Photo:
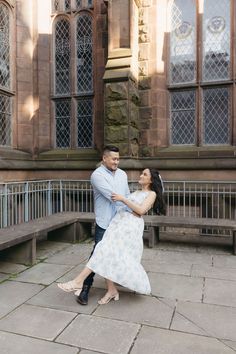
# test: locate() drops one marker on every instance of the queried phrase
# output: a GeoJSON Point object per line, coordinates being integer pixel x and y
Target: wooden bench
{"type": "Point", "coordinates": [156, 221]}
{"type": "Point", "coordinates": [19, 241]}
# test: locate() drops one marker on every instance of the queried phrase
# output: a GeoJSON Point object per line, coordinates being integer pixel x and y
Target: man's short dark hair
{"type": "Point", "coordinates": [110, 148]}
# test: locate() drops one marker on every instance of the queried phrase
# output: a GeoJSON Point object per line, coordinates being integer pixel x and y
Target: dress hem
{"type": "Point", "coordinates": [115, 281]}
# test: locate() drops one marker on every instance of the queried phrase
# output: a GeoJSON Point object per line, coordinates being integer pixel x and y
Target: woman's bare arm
{"type": "Point", "coordinates": [138, 209]}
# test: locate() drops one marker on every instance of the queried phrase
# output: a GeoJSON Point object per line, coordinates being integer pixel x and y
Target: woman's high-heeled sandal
{"type": "Point", "coordinates": [69, 286]}
{"type": "Point", "coordinates": [105, 299]}
{"type": "Point", "coordinates": [77, 292]}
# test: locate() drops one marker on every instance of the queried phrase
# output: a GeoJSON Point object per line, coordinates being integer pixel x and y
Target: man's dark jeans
{"type": "Point", "coordinates": [99, 232]}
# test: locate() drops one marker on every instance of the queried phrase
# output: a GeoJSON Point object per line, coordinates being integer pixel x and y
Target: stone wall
{"type": "Point", "coordinates": [122, 117]}
{"type": "Point", "coordinates": [152, 78]}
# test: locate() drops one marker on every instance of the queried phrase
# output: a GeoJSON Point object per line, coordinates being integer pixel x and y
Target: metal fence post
{"type": "Point", "coordinates": [184, 197]}
{"type": "Point", "coordinates": [49, 198]}
{"type": "Point", "coordinates": [61, 197]}
{"type": "Point", "coordinates": [5, 206]}
{"type": "Point", "coordinates": [26, 197]}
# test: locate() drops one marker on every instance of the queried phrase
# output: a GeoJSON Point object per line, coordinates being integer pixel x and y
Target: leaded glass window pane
{"type": "Point", "coordinates": [4, 47]}
{"type": "Point", "coordinates": [62, 57]}
{"type": "Point", "coordinates": [183, 118]}
{"type": "Point", "coordinates": [63, 126]}
{"type": "Point", "coordinates": [84, 54]}
{"type": "Point", "coordinates": [67, 5]}
{"type": "Point", "coordinates": [56, 5]}
{"type": "Point", "coordinates": [85, 123]}
{"type": "Point", "coordinates": [183, 42]}
{"type": "Point", "coordinates": [78, 3]}
{"type": "Point", "coordinates": [216, 116]}
{"type": "Point", "coordinates": [5, 120]}
{"type": "Point", "coordinates": [216, 40]}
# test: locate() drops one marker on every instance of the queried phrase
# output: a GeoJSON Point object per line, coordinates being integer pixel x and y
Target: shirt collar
{"type": "Point", "coordinates": [107, 170]}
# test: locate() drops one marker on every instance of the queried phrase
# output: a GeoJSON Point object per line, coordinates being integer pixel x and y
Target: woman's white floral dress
{"type": "Point", "coordinates": [117, 257]}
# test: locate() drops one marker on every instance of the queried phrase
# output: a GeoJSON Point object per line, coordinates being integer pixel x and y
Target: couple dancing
{"type": "Point", "coordinates": [118, 248]}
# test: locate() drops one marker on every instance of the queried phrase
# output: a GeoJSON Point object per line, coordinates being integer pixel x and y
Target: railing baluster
{"type": "Point", "coordinates": [5, 207]}
{"type": "Point", "coordinates": [26, 202]}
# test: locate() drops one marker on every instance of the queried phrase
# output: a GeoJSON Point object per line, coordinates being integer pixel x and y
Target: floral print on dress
{"type": "Point", "coordinates": [117, 257]}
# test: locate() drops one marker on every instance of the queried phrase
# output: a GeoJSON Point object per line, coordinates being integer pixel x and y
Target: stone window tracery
{"type": "Point", "coordinates": [71, 5]}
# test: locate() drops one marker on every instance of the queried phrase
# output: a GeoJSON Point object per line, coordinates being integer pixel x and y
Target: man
{"type": "Point", "coordinates": [106, 179]}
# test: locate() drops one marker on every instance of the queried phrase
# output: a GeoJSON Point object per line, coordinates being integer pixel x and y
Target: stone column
{"type": "Point", "coordinates": [121, 78]}
{"type": "Point", "coordinates": [24, 77]}
{"type": "Point", "coordinates": [152, 77]}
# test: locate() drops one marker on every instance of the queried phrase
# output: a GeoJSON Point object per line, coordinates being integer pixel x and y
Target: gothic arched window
{"type": "Point", "coordinates": [73, 81]}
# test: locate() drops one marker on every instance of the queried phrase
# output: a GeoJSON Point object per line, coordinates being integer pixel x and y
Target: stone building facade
{"type": "Point", "coordinates": [155, 77]}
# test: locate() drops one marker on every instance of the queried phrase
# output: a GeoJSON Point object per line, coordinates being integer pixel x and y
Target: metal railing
{"type": "Point", "coordinates": [24, 201]}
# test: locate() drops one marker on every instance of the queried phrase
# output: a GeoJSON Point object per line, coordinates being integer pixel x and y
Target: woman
{"type": "Point", "coordinates": [118, 256]}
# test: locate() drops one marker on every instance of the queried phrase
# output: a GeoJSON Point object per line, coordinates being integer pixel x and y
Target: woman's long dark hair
{"type": "Point", "coordinates": [159, 206]}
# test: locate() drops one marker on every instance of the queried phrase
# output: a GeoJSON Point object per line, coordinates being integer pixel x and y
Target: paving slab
{"type": "Point", "coordinates": [212, 320]}
{"type": "Point", "coordinates": [170, 268]}
{"type": "Point", "coordinates": [11, 268]}
{"type": "Point", "coordinates": [73, 255]}
{"type": "Point", "coordinates": [4, 277]}
{"type": "Point", "coordinates": [13, 294]}
{"type": "Point", "coordinates": [220, 292]}
{"type": "Point", "coordinates": [138, 309]}
{"type": "Point", "coordinates": [149, 253]}
{"type": "Point", "coordinates": [176, 286]}
{"type": "Point", "coordinates": [53, 297]}
{"type": "Point", "coordinates": [17, 344]}
{"type": "Point", "coordinates": [223, 249]}
{"type": "Point", "coordinates": [225, 261]}
{"type": "Point", "coordinates": [43, 273]}
{"type": "Point", "coordinates": [183, 324]}
{"type": "Point", "coordinates": [100, 334]}
{"type": "Point", "coordinates": [38, 322]}
{"type": "Point", "coordinates": [88, 352]}
{"type": "Point", "coordinates": [160, 341]}
{"type": "Point", "coordinates": [213, 272]}
{"type": "Point", "coordinates": [176, 246]}
{"type": "Point", "coordinates": [71, 274]}
{"type": "Point", "coordinates": [183, 257]}
{"type": "Point", "coordinates": [47, 248]}
{"type": "Point", "coordinates": [230, 344]}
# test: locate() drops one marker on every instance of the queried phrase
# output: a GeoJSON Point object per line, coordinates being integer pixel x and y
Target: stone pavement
{"type": "Point", "coordinates": [192, 309]}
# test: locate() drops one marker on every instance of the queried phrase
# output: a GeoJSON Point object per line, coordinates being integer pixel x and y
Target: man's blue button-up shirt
{"type": "Point", "coordinates": [106, 182]}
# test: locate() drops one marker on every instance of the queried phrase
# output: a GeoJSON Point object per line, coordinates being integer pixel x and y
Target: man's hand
{"type": "Point", "coordinates": [117, 197]}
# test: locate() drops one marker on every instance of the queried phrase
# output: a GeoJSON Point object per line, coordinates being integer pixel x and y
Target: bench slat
{"type": "Point", "coordinates": [156, 220]}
